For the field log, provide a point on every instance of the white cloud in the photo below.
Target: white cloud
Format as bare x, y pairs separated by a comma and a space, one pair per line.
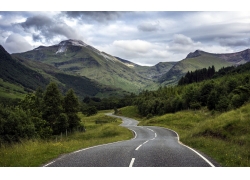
182, 44
141, 37
16, 43
138, 46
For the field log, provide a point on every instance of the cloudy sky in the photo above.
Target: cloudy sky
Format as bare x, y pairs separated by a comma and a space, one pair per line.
143, 37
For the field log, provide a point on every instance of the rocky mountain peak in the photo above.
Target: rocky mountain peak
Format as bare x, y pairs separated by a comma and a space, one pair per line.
72, 42
194, 54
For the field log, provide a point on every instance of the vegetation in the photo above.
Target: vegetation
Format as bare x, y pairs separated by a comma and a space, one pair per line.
223, 93
40, 115
197, 76
37, 152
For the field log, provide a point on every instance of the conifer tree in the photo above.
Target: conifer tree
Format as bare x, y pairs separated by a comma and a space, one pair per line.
52, 105
71, 108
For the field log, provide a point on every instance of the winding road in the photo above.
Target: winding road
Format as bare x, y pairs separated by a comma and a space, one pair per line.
151, 147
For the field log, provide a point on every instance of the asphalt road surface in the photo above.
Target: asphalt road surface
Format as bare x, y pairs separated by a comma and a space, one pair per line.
151, 147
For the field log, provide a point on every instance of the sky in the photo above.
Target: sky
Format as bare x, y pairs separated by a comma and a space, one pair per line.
145, 37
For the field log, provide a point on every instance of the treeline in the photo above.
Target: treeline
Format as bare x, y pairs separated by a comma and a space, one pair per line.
223, 93
210, 73
197, 76
40, 115
90, 105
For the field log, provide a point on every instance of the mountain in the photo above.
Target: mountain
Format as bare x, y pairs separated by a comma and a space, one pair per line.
150, 72
76, 57
18, 76
14, 72
201, 59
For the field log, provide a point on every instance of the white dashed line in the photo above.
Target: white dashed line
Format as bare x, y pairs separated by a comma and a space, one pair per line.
138, 147
132, 162
150, 130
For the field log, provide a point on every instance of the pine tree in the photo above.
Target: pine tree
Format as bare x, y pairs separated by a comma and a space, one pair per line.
71, 108
52, 105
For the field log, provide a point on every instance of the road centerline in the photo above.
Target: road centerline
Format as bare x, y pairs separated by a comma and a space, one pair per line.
138, 147
132, 162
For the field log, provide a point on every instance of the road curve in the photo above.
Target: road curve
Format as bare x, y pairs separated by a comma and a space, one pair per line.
151, 147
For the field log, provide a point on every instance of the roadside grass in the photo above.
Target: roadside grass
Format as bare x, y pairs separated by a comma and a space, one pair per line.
34, 153
223, 136
130, 111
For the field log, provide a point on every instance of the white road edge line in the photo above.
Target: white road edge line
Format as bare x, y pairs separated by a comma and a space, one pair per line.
198, 154
132, 162
205, 159
49, 163
155, 135
91, 148
134, 133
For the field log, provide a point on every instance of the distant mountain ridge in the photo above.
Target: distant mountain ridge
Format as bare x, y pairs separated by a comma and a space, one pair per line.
77, 57
235, 58
200, 59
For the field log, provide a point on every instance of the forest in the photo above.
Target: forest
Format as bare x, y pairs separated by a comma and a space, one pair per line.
41, 114
226, 89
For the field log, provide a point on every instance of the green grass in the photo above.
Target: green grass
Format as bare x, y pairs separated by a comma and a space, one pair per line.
223, 136
130, 111
37, 152
9, 90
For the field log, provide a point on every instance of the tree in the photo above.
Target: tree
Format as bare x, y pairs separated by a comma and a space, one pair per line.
71, 108
90, 110
52, 105
212, 100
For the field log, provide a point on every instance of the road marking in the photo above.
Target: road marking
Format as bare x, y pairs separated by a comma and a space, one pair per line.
155, 135
150, 129
138, 147
145, 142
49, 163
134, 133
132, 162
178, 138
198, 154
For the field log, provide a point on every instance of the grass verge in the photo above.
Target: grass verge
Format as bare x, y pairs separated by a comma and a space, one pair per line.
37, 152
223, 136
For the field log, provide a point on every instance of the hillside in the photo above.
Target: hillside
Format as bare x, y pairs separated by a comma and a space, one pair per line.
14, 72
200, 59
74, 56
19, 76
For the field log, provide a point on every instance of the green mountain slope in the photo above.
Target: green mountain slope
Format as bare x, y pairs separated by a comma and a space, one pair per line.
14, 72
200, 59
74, 56
19, 76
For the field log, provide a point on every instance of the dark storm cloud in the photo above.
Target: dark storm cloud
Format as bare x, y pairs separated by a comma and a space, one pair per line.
45, 28
234, 42
212, 32
99, 16
38, 22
